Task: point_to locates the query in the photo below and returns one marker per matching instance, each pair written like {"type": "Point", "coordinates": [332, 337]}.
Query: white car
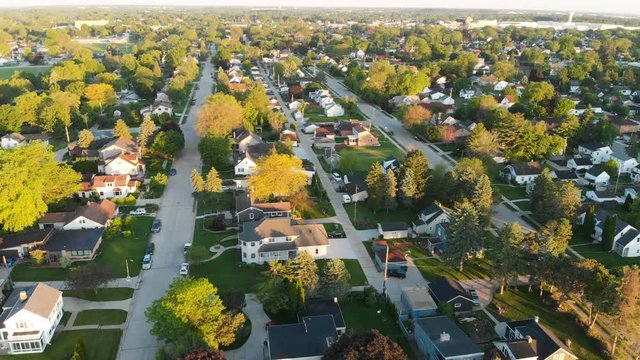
{"type": "Point", "coordinates": [138, 211]}
{"type": "Point", "coordinates": [184, 269]}
{"type": "Point", "coordinates": [336, 177]}
{"type": "Point", "coordinates": [186, 247]}
{"type": "Point", "coordinates": [146, 262]}
{"type": "Point", "coordinates": [346, 199]}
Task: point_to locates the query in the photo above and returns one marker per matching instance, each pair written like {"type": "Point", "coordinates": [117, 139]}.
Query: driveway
{"type": "Point", "coordinates": [178, 216]}
{"type": "Point", "coordinates": [254, 347]}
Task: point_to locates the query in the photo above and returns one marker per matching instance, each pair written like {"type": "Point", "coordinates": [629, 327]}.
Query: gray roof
{"type": "Point", "coordinates": [306, 235]}
{"type": "Point", "coordinates": [459, 344]}
{"type": "Point", "coordinates": [582, 161]}
{"type": "Point", "coordinates": [352, 186]}
{"type": "Point", "coordinates": [311, 338]}
{"type": "Point", "coordinates": [419, 298]}
{"type": "Point", "coordinates": [24, 238]}
{"type": "Point", "coordinates": [394, 226]}
{"type": "Point", "coordinates": [445, 289]}
{"type": "Point", "coordinates": [279, 246]}
{"type": "Point", "coordinates": [431, 212]}
{"type": "Point", "coordinates": [546, 342]}
{"type": "Point", "coordinates": [628, 237]}
{"type": "Point", "coordinates": [72, 240]}
{"type": "Point", "coordinates": [323, 307]}
{"type": "Point", "coordinates": [593, 146]}
{"type": "Point", "coordinates": [527, 168]}
{"type": "Point", "coordinates": [523, 349]}
{"type": "Point", "coordinates": [595, 171]}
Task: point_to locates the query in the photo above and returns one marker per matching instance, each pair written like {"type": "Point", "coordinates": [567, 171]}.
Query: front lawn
{"type": "Point", "coordinates": [215, 202]}
{"type": "Point", "coordinates": [511, 192]}
{"type": "Point", "coordinates": [99, 345]}
{"type": "Point", "coordinates": [433, 268]}
{"type": "Point", "coordinates": [358, 277]}
{"type": "Point", "coordinates": [519, 304]}
{"type": "Point", "coordinates": [321, 207]}
{"type": "Point", "coordinates": [524, 205]}
{"type": "Point", "coordinates": [103, 294]}
{"type": "Point", "coordinates": [366, 219]}
{"type": "Point", "coordinates": [367, 155]}
{"type": "Point", "coordinates": [101, 317]}
{"type": "Point", "coordinates": [608, 259]}
{"type": "Point", "coordinates": [229, 273]}
{"type": "Point", "coordinates": [202, 236]}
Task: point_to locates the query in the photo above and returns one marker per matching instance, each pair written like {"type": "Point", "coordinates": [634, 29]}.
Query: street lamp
{"type": "Point", "coordinates": [126, 264]}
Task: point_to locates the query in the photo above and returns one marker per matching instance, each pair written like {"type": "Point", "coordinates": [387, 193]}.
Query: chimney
{"type": "Point", "coordinates": [536, 319]}
{"type": "Point", "coordinates": [445, 337]}
{"type": "Point", "coordinates": [23, 296]}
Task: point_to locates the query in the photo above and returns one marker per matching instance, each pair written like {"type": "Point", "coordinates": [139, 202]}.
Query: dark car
{"type": "Point", "coordinates": [156, 226]}
{"type": "Point", "coordinates": [192, 102]}
{"type": "Point", "coordinates": [337, 234]}
{"type": "Point", "coordinates": [151, 247]}
{"type": "Point", "coordinates": [396, 274]}
{"type": "Point", "coordinates": [173, 172]}
{"type": "Point", "coordinates": [418, 138]}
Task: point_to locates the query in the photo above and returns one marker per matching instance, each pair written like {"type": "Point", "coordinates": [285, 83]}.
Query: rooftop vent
{"type": "Point", "coordinates": [445, 337]}
{"type": "Point", "coordinates": [23, 296]}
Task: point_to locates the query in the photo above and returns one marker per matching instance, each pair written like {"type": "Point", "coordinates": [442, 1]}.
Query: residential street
{"type": "Point", "coordinates": [178, 216]}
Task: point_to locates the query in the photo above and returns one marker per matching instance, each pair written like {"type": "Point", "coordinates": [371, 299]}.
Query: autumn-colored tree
{"type": "Point", "coordinates": [277, 175]}
{"type": "Point", "coordinates": [482, 141]}
{"type": "Point", "coordinates": [213, 183]}
{"type": "Point", "coordinates": [85, 138]}
{"type": "Point", "coordinates": [100, 95]}
{"type": "Point", "coordinates": [219, 114]}
{"type": "Point", "coordinates": [121, 130]}
{"type": "Point", "coordinates": [415, 115]}
{"type": "Point", "coordinates": [197, 181]}
{"type": "Point", "coordinates": [370, 345]}
{"type": "Point", "coordinates": [203, 354]}
{"type": "Point", "coordinates": [147, 128]}
{"type": "Point", "coordinates": [626, 306]}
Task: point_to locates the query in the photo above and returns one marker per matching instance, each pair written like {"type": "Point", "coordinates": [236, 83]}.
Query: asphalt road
{"type": "Point", "coordinates": [178, 216]}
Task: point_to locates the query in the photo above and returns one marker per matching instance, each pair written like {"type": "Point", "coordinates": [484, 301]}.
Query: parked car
{"type": "Point", "coordinates": [419, 138]}
{"type": "Point", "coordinates": [474, 297]}
{"type": "Point", "coordinates": [146, 262]}
{"type": "Point", "coordinates": [186, 247]}
{"type": "Point", "coordinates": [173, 172]}
{"type": "Point", "coordinates": [396, 274]}
{"type": "Point", "coordinates": [184, 269]}
{"type": "Point", "coordinates": [336, 177]}
{"type": "Point", "coordinates": [337, 234]}
{"type": "Point", "coordinates": [151, 247]}
{"type": "Point", "coordinates": [346, 198]}
{"type": "Point", "coordinates": [138, 211]}
{"type": "Point", "coordinates": [156, 226]}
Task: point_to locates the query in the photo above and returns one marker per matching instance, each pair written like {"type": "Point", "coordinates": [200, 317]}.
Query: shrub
{"type": "Point", "coordinates": [130, 200]}
{"type": "Point", "coordinates": [127, 233]}
{"type": "Point", "coordinates": [38, 256]}
{"type": "Point", "coordinates": [152, 207]}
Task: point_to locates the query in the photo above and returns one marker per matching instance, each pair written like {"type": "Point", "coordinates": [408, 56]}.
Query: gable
{"type": "Point", "coordinates": [81, 222]}
{"type": "Point", "coordinates": [246, 162]}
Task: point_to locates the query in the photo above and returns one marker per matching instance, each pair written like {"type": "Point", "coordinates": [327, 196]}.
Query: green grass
{"type": "Point", "coordinates": [228, 273]}
{"type": "Point", "coordinates": [366, 219]}
{"type": "Point", "coordinates": [101, 317]}
{"type": "Point", "coordinates": [321, 208]}
{"type": "Point", "coordinates": [367, 155]}
{"type": "Point", "coordinates": [353, 267]}
{"type": "Point", "coordinates": [524, 205]}
{"type": "Point", "coordinates": [511, 192]}
{"type": "Point", "coordinates": [113, 252]}
{"type": "Point", "coordinates": [125, 48]}
{"type": "Point", "coordinates": [99, 345]}
{"type": "Point", "coordinates": [433, 268]}
{"type": "Point", "coordinates": [7, 72]}
{"type": "Point", "coordinates": [518, 304]}
{"type": "Point", "coordinates": [579, 237]}
{"type": "Point", "coordinates": [214, 202]}
{"type": "Point", "coordinates": [103, 294]}
{"type": "Point", "coordinates": [448, 147]}
{"type": "Point", "coordinates": [208, 238]}
{"type": "Point", "coordinates": [610, 260]}
{"type": "Point", "coordinates": [331, 227]}
{"type": "Point", "coordinates": [358, 316]}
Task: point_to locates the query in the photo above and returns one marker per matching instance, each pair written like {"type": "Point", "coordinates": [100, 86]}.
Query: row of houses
{"type": "Point", "coordinates": [323, 98]}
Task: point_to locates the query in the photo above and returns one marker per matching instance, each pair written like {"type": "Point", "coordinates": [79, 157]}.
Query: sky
{"type": "Point", "coordinates": [627, 7]}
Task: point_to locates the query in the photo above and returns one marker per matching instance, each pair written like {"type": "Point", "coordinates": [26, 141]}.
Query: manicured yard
{"type": "Point", "coordinates": [228, 273]}
{"type": "Point", "coordinates": [519, 304]}
{"type": "Point", "coordinates": [125, 48]}
{"type": "Point", "coordinates": [353, 267]}
{"type": "Point", "coordinates": [113, 252]}
{"type": "Point", "coordinates": [359, 316]}
{"type": "Point", "coordinates": [103, 294]}
{"type": "Point", "coordinates": [524, 205]}
{"type": "Point", "coordinates": [101, 317]}
{"type": "Point", "coordinates": [473, 269]}
{"type": "Point", "coordinates": [214, 202]}
{"type": "Point", "coordinates": [367, 155]}
{"type": "Point", "coordinates": [321, 208]}
{"type": "Point", "coordinates": [366, 219]}
{"type": "Point", "coordinates": [206, 238]}
{"type": "Point", "coordinates": [511, 192]}
{"type": "Point", "coordinates": [99, 345]}
{"type": "Point", "coordinates": [608, 259]}
{"type": "Point", "coordinates": [7, 72]}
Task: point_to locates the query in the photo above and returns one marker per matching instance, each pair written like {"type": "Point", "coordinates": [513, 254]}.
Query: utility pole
{"type": "Point", "coordinates": [617, 179]}
{"type": "Point", "coordinates": [386, 261]}
{"type": "Point", "coordinates": [355, 206]}
{"type": "Point", "coordinates": [126, 263]}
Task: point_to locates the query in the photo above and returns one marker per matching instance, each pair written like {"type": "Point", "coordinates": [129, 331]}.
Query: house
{"type": "Point", "coordinates": [580, 163]}
{"type": "Point", "coordinates": [507, 101]}
{"type": "Point", "coordinates": [12, 140]}
{"type": "Point", "coordinates": [74, 245]}
{"type": "Point", "coordinates": [396, 261]}
{"type": "Point", "coordinates": [117, 146]}
{"type": "Point", "coordinates": [158, 108]}
{"type": "Point", "coordinates": [393, 230]}
{"type": "Point", "coordinates": [403, 100]}
{"type": "Point", "coordinates": [109, 186]}
{"type": "Point", "coordinates": [528, 339]}
{"type": "Point", "coordinates": [30, 316]}
{"type": "Point", "coordinates": [334, 110]}
{"type": "Point", "coordinates": [21, 243]}
{"type": "Point", "coordinates": [279, 239]}
{"type": "Point", "coordinates": [247, 162]}
{"type": "Point", "coordinates": [597, 176]}
{"type": "Point", "coordinates": [91, 216]}
{"type": "Point", "coordinates": [345, 128]}
{"type": "Point", "coordinates": [243, 139]}
{"type": "Point", "coordinates": [598, 152]}
{"type": "Point", "coordinates": [417, 303]}
{"type": "Point", "coordinates": [357, 190]}
{"type": "Point", "coordinates": [565, 175]}
{"type": "Point", "coordinates": [362, 137]}
{"type": "Point", "coordinates": [467, 93]}
{"type": "Point", "coordinates": [602, 196]}
{"type": "Point", "coordinates": [390, 163]}
{"type": "Point", "coordinates": [625, 162]}
{"type": "Point", "coordinates": [308, 339]}
{"type": "Point", "coordinates": [440, 338]}
{"type": "Point", "coordinates": [623, 90]}
{"type": "Point", "coordinates": [249, 210]}
{"type": "Point", "coordinates": [289, 136]}
{"type": "Point", "coordinates": [523, 173]}
{"type": "Point", "coordinates": [628, 245]}
{"type": "Point", "coordinates": [625, 126]}
{"type": "Point", "coordinates": [324, 131]}
{"type": "Point", "coordinates": [428, 218]}
{"type": "Point", "coordinates": [318, 307]}
{"type": "Point", "coordinates": [124, 164]}
{"type": "Point", "coordinates": [79, 154]}
{"type": "Point", "coordinates": [445, 290]}
{"type": "Point", "coordinates": [500, 85]}
{"type": "Point", "coordinates": [574, 87]}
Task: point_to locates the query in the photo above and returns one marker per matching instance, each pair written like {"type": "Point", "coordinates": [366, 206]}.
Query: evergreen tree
{"type": "Point", "coordinates": [147, 128]}
{"type": "Point", "coordinates": [589, 220]}
{"type": "Point", "coordinates": [79, 352]}
{"type": "Point", "coordinates": [505, 253]}
{"type": "Point", "coordinates": [633, 149]}
{"type": "Point", "coordinates": [376, 187]}
{"type": "Point", "coordinates": [197, 181]}
{"type": "Point", "coordinates": [413, 178]}
{"type": "Point", "coordinates": [464, 234]}
{"type": "Point", "coordinates": [390, 201]}
{"type": "Point", "coordinates": [609, 232]}
{"type": "Point", "coordinates": [334, 281]}
{"type": "Point", "coordinates": [556, 235]}
{"type": "Point", "coordinates": [628, 201]}
{"type": "Point", "coordinates": [121, 130]}
{"type": "Point", "coordinates": [482, 199]}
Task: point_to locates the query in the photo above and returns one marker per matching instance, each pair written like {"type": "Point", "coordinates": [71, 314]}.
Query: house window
{"type": "Point", "coordinates": [253, 244]}
{"type": "Point", "coordinates": [87, 252]}
{"type": "Point", "coordinates": [21, 325]}
{"type": "Point", "coordinates": [317, 251]}
{"type": "Point", "coordinates": [272, 240]}
{"type": "Point", "coordinates": [253, 256]}
{"type": "Point", "coordinates": [81, 221]}
{"type": "Point", "coordinates": [101, 193]}
{"type": "Point", "coordinates": [244, 255]}
{"type": "Point", "coordinates": [457, 305]}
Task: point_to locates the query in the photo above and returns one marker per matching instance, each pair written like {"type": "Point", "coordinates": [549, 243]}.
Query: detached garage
{"type": "Point", "coordinates": [393, 230]}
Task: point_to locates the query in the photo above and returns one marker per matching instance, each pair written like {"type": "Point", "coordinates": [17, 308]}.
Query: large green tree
{"type": "Point", "coordinates": [464, 234]}
{"type": "Point", "coordinates": [414, 174]}
{"type": "Point", "coordinates": [334, 280]}
{"type": "Point", "coordinates": [376, 187]}
{"type": "Point", "coordinates": [215, 150]}
{"type": "Point", "coordinates": [505, 252]}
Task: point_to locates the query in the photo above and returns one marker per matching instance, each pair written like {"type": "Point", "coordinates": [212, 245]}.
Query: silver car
{"type": "Point", "coordinates": [146, 262]}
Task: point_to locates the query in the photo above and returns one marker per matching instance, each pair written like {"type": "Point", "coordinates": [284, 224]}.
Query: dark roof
{"type": "Point", "coordinates": [547, 343]}
{"type": "Point", "coordinates": [527, 168]}
{"type": "Point", "coordinates": [310, 338]}
{"type": "Point", "coordinates": [628, 237]}
{"type": "Point", "coordinates": [582, 161]}
{"type": "Point", "coordinates": [445, 289]}
{"type": "Point", "coordinates": [323, 307]}
{"type": "Point", "coordinates": [280, 246]}
{"type": "Point", "coordinates": [593, 146]}
{"type": "Point", "coordinates": [595, 171]}
{"type": "Point", "coordinates": [257, 151]}
{"type": "Point", "coordinates": [24, 238]}
{"type": "Point", "coordinates": [351, 187]}
{"type": "Point", "coordinates": [72, 240]}
{"type": "Point", "coordinates": [431, 212]}
{"type": "Point", "coordinates": [458, 343]}
{"type": "Point", "coordinates": [523, 349]}
{"type": "Point", "coordinates": [566, 175]}
{"type": "Point", "coordinates": [394, 226]}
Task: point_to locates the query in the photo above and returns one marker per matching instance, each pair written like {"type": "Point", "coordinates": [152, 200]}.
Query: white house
{"type": "Point", "coordinates": [437, 96]}
{"type": "Point", "coordinates": [357, 190]}
{"type": "Point", "coordinates": [109, 186]}
{"type": "Point", "coordinates": [243, 139]}
{"type": "Point", "coordinates": [294, 105]}
{"type": "Point", "coordinates": [123, 164]}
{"type": "Point", "coordinates": [428, 218]}
{"type": "Point", "coordinates": [279, 239]}
{"type": "Point", "coordinates": [246, 164]}
{"type": "Point", "coordinates": [598, 152]}
{"type": "Point", "coordinates": [507, 101]}
{"type": "Point", "coordinates": [626, 163]}
{"type": "Point", "coordinates": [523, 173]}
{"type": "Point", "coordinates": [580, 163]}
{"type": "Point", "coordinates": [447, 100]}
{"type": "Point", "coordinates": [117, 146]}
{"type": "Point", "coordinates": [334, 111]}
{"type": "Point", "coordinates": [597, 176]}
{"type": "Point", "coordinates": [393, 230]}
{"type": "Point", "coordinates": [467, 93]}
{"type": "Point", "coordinates": [92, 216]}
{"type": "Point", "coordinates": [32, 315]}
{"type": "Point", "coordinates": [500, 85]}
{"type": "Point", "coordinates": [157, 108]}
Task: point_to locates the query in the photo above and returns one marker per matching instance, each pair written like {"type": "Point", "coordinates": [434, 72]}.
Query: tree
{"type": "Point", "coordinates": [296, 297]}
{"type": "Point", "coordinates": [147, 128]}
{"type": "Point", "coordinates": [611, 167]}
{"type": "Point", "coordinates": [303, 267]}
{"type": "Point", "coordinates": [27, 106]}
{"type": "Point", "coordinates": [219, 114]}
{"type": "Point", "coordinates": [633, 149]}
{"type": "Point", "coordinates": [79, 351]}
{"type": "Point", "coordinates": [609, 232]}
{"type": "Point", "coordinates": [589, 223]}
{"type": "Point", "coordinates": [556, 235]}
{"type": "Point", "coordinates": [562, 108]}
{"type": "Point", "coordinates": [31, 178]}
{"type": "Point", "coordinates": [203, 354]}
{"type": "Point", "coordinates": [370, 345]}
{"type": "Point", "coordinates": [85, 138]}
{"type": "Point", "coordinates": [600, 288]}
{"type": "Point", "coordinates": [89, 277]}
{"type": "Point", "coordinates": [215, 151]}
{"type": "Point", "coordinates": [414, 175]}
{"type": "Point", "coordinates": [213, 183]}
{"type": "Point", "coordinates": [276, 120]}
{"type": "Point", "coordinates": [100, 95]}
{"type": "Point", "coordinates": [551, 200]}
{"type": "Point", "coordinates": [464, 235]}
{"type": "Point", "coordinates": [377, 187]}
{"type": "Point", "coordinates": [121, 130]}
{"type": "Point", "coordinates": [192, 308]}
{"type": "Point", "coordinates": [167, 143]}
{"type": "Point", "coordinates": [415, 115]}
{"type": "Point", "coordinates": [482, 199]}
{"type": "Point", "coordinates": [334, 281]}
{"type": "Point", "coordinates": [482, 141]}
{"type": "Point", "coordinates": [505, 253]}
{"type": "Point", "coordinates": [38, 256]}
{"type": "Point", "coordinates": [273, 294]}
{"type": "Point", "coordinates": [277, 175]}
{"type": "Point", "coordinates": [197, 181]}
{"type": "Point", "coordinates": [391, 190]}
{"type": "Point", "coordinates": [626, 305]}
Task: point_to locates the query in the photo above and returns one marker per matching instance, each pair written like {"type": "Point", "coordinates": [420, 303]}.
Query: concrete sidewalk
{"type": "Point", "coordinates": [61, 285]}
